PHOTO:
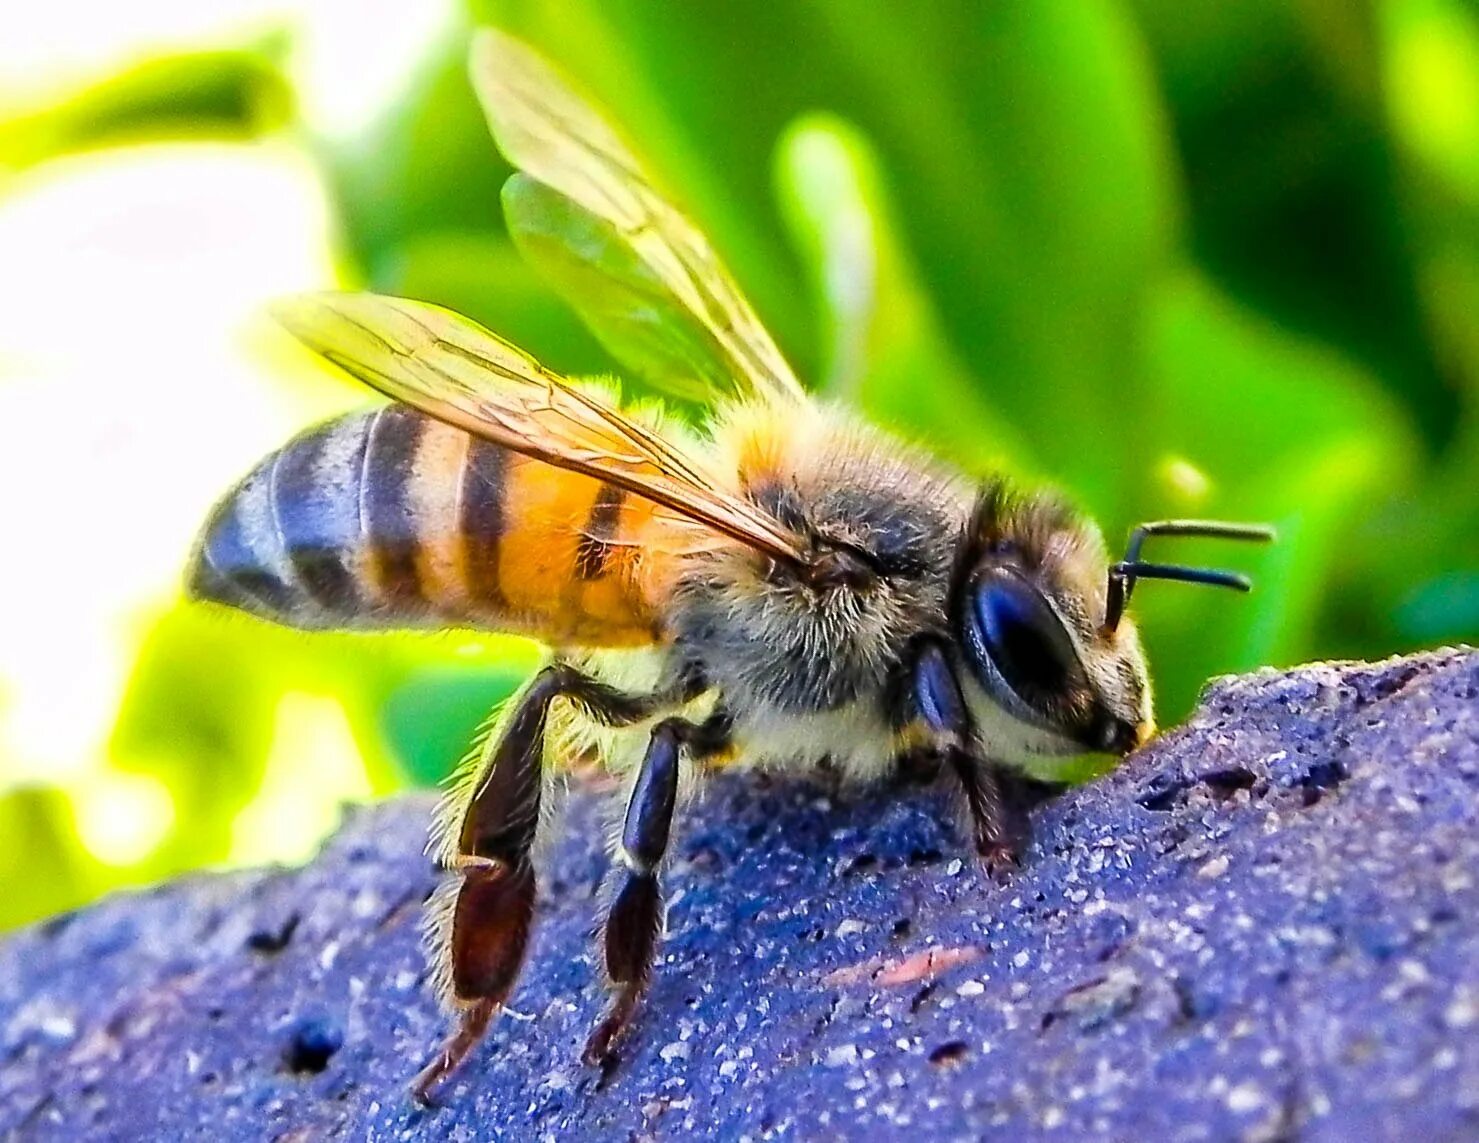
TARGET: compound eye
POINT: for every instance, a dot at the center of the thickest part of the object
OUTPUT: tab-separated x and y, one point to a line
1009	624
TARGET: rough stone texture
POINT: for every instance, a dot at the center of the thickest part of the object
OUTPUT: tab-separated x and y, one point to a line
1264	927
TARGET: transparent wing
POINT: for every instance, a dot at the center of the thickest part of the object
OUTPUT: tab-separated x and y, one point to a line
644	278
459	373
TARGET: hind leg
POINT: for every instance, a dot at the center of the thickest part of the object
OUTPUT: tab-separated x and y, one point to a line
487	913
635	917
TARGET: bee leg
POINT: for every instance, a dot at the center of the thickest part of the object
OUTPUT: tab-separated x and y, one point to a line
940	705
492	915
635	917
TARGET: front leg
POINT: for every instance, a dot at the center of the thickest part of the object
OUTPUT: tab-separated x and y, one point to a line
635	917
940	706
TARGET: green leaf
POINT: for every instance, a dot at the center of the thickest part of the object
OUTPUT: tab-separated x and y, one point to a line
1035	175
885	351
1282	431
431	719
426	164
42	866
226	94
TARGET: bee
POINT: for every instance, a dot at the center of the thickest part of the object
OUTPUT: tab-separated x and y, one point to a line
787	586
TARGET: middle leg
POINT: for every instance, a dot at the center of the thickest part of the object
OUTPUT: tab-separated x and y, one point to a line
635	917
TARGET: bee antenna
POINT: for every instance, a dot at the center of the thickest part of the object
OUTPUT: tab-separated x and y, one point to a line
1123	575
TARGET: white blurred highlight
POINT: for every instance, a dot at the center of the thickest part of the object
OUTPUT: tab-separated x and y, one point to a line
298	804
122	817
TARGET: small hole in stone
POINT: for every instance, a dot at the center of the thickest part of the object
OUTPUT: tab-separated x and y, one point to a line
901	928
924	856
311	1045
1229	780
949	1053
271	939
57	925
1161	793
1325	775
864	861
918	1000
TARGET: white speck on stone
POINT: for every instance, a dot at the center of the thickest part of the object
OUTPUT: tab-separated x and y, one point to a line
1214	868
57	1026
405	980
1414	971
728	1068
677	1050
954	867
1463	1010
842	1056
1246	1097
970	988
328	955
850	927
1021	959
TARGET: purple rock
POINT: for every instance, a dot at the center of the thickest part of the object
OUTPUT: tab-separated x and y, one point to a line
1265	926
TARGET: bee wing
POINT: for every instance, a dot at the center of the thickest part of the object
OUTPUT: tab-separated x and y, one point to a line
643	277
461	374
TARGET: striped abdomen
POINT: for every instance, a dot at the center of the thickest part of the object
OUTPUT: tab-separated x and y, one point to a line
390	519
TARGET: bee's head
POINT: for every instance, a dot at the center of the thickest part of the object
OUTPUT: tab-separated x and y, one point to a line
1054	666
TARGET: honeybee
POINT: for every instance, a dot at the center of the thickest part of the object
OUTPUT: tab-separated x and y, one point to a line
788	585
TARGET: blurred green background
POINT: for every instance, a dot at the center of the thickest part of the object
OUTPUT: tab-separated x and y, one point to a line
1211	259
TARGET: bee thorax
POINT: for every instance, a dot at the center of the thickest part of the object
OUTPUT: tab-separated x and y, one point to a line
818	636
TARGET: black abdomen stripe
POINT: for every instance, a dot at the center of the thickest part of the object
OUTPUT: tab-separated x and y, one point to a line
481	518
227	570
387	510
315	501
322	533
593	551
242	559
